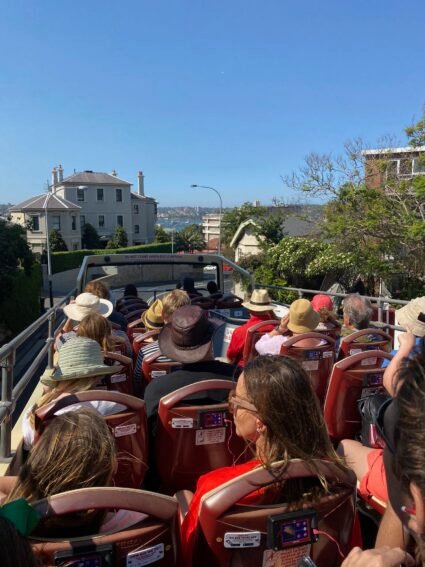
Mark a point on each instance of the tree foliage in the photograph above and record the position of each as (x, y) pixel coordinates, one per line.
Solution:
(189, 239)
(119, 240)
(234, 217)
(89, 237)
(268, 224)
(14, 252)
(57, 243)
(161, 235)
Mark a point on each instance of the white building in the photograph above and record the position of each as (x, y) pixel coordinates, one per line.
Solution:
(101, 199)
(211, 229)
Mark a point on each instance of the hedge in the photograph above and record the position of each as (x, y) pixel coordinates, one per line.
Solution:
(22, 305)
(62, 261)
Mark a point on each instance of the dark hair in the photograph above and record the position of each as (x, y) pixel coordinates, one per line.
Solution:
(188, 284)
(212, 287)
(15, 548)
(130, 290)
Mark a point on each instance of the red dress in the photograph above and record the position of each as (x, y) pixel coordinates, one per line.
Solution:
(206, 483)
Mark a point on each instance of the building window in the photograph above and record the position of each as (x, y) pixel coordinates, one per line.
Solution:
(75, 246)
(73, 222)
(80, 194)
(419, 165)
(136, 209)
(99, 194)
(405, 167)
(56, 222)
(118, 195)
(101, 221)
(82, 220)
(136, 229)
(35, 222)
(392, 169)
(119, 220)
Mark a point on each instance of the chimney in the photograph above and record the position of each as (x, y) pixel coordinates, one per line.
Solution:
(60, 173)
(114, 173)
(141, 183)
(54, 177)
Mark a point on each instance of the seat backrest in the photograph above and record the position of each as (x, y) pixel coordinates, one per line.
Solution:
(152, 369)
(227, 302)
(254, 333)
(141, 530)
(224, 525)
(135, 328)
(203, 302)
(143, 339)
(355, 342)
(317, 361)
(129, 429)
(126, 304)
(192, 440)
(134, 315)
(122, 381)
(350, 379)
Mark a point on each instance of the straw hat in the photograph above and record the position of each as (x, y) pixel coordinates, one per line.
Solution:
(80, 357)
(321, 301)
(302, 317)
(260, 301)
(152, 317)
(188, 336)
(412, 316)
(86, 304)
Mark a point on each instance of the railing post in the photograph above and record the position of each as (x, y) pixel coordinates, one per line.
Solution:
(51, 339)
(300, 294)
(6, 400)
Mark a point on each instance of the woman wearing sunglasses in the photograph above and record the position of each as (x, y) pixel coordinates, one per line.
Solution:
(276, 411)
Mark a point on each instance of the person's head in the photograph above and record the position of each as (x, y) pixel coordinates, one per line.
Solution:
(412, 316)
(404, 455)
(260, 304)
(16, 550)
(188, 336)
(172, 301)
(276, 408)
(76, 450)
(98, 328)
(324, 306)
(357, 311)
(212, 287)
(130, 290)
(189, 284)
(98, 288)
(85, 304)
(152, 318)
(302, 317)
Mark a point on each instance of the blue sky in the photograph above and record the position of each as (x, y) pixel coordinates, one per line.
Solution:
(227, 93)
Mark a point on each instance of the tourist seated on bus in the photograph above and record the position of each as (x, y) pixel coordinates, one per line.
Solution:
(96, 327)
(357, 312)
(129, 298)
(276, 411)
(324, 306)
(187, 338)
(81, 367)
(170, 302)
(260, 309)
(188, 285)
(366, 462)
(76, 450)
(403, 428)
(301, 319)
(99, 288)
(213, 290)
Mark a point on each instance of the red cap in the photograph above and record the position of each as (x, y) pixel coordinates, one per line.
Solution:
(320, 301)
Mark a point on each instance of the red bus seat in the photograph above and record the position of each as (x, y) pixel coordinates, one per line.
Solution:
(146, 531)
(254, 334)
(317, 361)
(126, 304)
(203, 302)
(222, 519)
(136, 327)
(349, 378)
(143, 339)
(192, 440)
(227, 302)
(351, 345)
(152, 369)
(134, 315)
(129, 429)
(122, 381)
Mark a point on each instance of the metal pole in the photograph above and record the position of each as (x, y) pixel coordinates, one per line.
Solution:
(49, 262)
(6, 401)
(221, 211)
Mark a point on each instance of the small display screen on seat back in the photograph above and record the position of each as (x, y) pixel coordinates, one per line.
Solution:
(211, 419)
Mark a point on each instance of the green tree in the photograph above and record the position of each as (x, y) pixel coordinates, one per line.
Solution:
(57, 243)
(161, 235)
(190, 239)
(90, 237)
(233, 218)
(119, 240)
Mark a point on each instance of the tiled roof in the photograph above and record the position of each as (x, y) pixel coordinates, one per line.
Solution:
(95, 178)
(46, 200)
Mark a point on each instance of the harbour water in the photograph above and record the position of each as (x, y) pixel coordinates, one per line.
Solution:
(177, 223)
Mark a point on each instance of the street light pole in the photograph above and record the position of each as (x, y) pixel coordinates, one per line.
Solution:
(221, 212)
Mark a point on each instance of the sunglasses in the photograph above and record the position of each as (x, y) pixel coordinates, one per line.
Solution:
(238, 402)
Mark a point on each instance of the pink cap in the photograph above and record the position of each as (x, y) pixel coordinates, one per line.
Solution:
(320, 301)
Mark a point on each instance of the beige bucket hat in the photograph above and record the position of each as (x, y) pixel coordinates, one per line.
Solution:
(260, 301)
(412, 316)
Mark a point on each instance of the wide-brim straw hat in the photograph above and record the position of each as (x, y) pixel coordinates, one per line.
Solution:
(188, 336)
(152, 317)
(260, 301)
(86, 304)
(302, 317)
(408, 315)
(79, 358)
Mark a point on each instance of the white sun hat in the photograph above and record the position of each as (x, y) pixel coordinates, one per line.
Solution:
(86, 304)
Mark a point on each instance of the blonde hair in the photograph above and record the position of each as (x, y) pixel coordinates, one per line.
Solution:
(96, 327)
(76, 450)
(172, 301)
(97, 288)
